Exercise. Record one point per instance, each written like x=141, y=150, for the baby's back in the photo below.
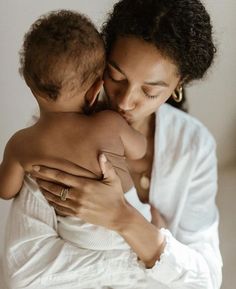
x=68, y=141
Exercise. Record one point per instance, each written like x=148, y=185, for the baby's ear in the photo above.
x=93, y=92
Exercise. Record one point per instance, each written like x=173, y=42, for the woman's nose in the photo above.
x=126, y=101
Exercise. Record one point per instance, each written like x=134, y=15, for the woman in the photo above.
x=154, y=48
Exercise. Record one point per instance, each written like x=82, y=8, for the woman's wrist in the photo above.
x=142, y=236
x=123, y=217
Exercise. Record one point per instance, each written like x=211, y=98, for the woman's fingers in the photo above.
x=86, y=198
x=55, y=175
x=107, y=169
x=57, y=200
x=53, y=188
x=70, y=168
x=62, y=211
x=62, y=208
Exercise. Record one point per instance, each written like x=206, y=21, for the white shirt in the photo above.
x=183, y=188
x=89, y=236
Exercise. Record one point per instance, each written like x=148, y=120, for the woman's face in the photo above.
x=138, y=79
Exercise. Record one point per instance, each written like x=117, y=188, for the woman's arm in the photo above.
x=191, y=259
x=143, y=237
x=35, y=256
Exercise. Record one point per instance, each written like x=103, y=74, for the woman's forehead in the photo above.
x=131, y=55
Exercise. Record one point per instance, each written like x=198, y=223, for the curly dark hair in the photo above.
x=62, y=48
x=180, y=29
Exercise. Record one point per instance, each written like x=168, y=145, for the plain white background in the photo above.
x=212, y=100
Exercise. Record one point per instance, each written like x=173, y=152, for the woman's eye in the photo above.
x=150, y=96
x=114, y=79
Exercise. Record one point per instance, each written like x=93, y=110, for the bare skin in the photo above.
x=68, y=141
x=138, y=95
x=137, y=81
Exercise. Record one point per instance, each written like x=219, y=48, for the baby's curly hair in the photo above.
x=61, y=49
x=180, y=29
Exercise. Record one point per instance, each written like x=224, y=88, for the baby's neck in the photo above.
x=46, y=116
x=47, y=113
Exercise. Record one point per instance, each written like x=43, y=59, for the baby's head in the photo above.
x=62, y=61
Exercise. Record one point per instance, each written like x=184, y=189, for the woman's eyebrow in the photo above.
x=154, y=83
x=114, y=65
x=158, y=83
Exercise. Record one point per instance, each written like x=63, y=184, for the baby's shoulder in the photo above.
x=17, y=141
x=19, y=136
x=110, y=119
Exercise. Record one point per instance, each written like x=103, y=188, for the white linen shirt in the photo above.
x=183, y=188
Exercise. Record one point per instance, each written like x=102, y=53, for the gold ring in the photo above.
x=64, y=193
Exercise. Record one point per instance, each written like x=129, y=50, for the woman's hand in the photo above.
x=100, y=202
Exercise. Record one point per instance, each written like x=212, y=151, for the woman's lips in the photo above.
x=127, y=117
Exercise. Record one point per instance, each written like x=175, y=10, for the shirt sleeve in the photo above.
x=192, y=259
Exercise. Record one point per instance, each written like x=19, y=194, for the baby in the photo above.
x=62, y=62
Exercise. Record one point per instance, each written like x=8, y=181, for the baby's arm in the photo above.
x=11, y=172
x=135, y=143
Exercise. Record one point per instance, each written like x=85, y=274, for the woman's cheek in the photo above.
x=107, y=84
x=112, y=89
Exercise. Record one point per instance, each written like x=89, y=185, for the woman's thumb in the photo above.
x=106, y=167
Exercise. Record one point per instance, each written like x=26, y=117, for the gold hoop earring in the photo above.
x=178, y=94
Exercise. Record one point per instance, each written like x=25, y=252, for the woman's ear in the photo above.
x=182, y=81
x=93, y=92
